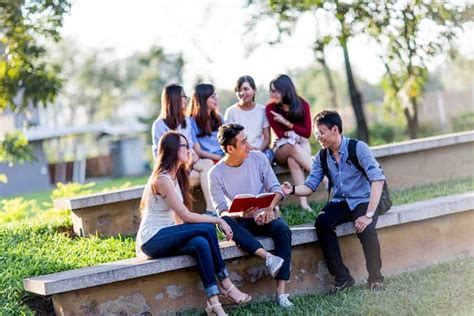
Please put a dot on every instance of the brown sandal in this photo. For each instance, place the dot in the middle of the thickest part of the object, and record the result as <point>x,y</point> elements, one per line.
<point>227,294</point>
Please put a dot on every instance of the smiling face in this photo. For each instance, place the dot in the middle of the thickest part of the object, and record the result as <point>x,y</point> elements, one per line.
<point>246,93</point>
<point>241,149</point>
<point>275,95</point>
<point>326,136</point>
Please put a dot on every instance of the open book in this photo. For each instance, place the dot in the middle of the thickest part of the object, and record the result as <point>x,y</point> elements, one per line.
<point>243,202</point>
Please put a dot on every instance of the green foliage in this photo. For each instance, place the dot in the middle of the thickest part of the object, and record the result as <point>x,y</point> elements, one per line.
<point>14,148</point>
<point>463,122</point>
<point>27,251</point>
<point>65,190</point>
<point>25,26</point>
<point>25,78</point>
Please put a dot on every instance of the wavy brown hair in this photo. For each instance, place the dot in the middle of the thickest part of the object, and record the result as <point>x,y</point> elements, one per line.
<point>167,161</point>
<point>172,111</point>
<point>207,123</point>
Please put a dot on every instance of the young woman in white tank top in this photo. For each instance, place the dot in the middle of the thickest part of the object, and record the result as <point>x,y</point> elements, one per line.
<point>168,228</point>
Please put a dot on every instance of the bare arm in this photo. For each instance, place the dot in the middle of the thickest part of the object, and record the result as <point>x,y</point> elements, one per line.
<point>204,154</point>
<point>165,188</point>
<point>376,189</point>
<point>300,190</point>
<point>266,139</point>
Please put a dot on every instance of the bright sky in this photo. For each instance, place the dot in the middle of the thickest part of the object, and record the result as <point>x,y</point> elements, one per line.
<point>210,34</point>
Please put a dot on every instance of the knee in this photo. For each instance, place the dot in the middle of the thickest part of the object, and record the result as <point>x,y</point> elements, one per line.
<point>200,244</point>
<point>292,164</point>
<point>281,228</point>
<point>321,221</point>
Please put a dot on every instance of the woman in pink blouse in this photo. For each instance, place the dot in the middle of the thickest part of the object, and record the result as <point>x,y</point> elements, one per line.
<point>290,119</point>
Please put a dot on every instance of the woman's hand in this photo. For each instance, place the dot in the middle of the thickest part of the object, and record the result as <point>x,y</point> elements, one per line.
<point>279,118</point>
<point>226,229</point>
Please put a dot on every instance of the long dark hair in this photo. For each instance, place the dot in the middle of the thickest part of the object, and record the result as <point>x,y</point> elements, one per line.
<point>166,161</point>
<point>172,111</point>
<point>243,80</point>
<point>284,85</point>
<point>206,123</point>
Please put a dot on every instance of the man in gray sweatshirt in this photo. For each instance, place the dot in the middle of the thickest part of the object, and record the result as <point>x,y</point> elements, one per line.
<point>243,171</point>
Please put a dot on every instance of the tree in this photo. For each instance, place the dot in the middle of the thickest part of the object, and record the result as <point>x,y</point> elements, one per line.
<point>287,12</point>
<point>401,28</point>
<point>26,78</point>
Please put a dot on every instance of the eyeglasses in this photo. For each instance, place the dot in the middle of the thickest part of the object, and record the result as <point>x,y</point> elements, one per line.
<point>184,145</point>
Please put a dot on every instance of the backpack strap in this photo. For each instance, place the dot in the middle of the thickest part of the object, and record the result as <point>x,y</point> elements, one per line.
<point>323,157</point>
<point>353,157</point>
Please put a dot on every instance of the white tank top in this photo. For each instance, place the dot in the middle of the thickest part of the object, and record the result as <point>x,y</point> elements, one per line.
<point>156,215</point>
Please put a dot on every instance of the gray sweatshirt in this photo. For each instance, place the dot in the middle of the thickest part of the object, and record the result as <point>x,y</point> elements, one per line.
<point>253,176</point>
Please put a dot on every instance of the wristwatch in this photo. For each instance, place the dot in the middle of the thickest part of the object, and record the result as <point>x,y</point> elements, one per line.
<point>370,214</point>
<point>293,189</point>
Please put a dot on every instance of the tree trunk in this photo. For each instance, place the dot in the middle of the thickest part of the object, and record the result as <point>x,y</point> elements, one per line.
<point>328,75</point>
<point>412,120</point>
<point>356,97</point>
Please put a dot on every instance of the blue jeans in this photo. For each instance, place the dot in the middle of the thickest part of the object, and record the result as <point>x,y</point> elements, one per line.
<point>245,230</point>
<point>197,240</point>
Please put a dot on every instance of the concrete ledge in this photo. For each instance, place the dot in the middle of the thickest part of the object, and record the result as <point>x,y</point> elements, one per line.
<point>139,267</point>
<point>95,199</point>
<point>421,144</point>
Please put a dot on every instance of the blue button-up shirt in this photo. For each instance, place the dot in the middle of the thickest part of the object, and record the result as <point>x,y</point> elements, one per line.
<point>349,184</point>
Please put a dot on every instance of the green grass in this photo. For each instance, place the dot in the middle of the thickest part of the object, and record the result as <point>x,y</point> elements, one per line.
<point>29,251</point>
<point>444,289</point>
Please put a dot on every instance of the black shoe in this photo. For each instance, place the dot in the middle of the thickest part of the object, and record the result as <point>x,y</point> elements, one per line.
<point>376,287</point>
<point>341,286</point>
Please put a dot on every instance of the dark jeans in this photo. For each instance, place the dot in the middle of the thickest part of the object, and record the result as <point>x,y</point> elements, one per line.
<point>197,240</point>
<point>334,214</point>
<point>245,230</point>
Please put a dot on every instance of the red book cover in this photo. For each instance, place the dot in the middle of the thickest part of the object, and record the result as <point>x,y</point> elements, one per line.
<point>243,202</point>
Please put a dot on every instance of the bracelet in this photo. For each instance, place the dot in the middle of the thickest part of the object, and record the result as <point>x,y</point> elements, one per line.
<point>293,189</point>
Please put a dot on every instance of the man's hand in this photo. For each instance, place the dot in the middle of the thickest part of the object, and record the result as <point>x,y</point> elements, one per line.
<point>250,212</point>
<point>361,223</point>
<point>287,188</point>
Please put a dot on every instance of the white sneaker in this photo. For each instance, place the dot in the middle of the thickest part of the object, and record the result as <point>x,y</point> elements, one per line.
<point>274,264</point>
<point>283,301</point>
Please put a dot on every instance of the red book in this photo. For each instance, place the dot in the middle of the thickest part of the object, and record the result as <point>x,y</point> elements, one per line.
<point>243,202</point>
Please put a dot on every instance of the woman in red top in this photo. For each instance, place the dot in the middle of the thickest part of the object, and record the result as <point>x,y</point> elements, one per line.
<point>290,118</point>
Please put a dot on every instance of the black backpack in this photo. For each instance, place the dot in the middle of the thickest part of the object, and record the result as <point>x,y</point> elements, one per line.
<point>385,202</point>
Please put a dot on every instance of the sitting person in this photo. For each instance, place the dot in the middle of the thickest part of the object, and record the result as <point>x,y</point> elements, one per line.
<point>244,171</point>
<point>290,118</point>
<point>172,118</point>
<point>205,121</point>
<point>168,228</point>
<point>251,116</point>
<point>355,197</point>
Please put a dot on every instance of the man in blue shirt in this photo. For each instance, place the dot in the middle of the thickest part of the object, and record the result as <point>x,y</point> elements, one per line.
<point>354,199</point>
